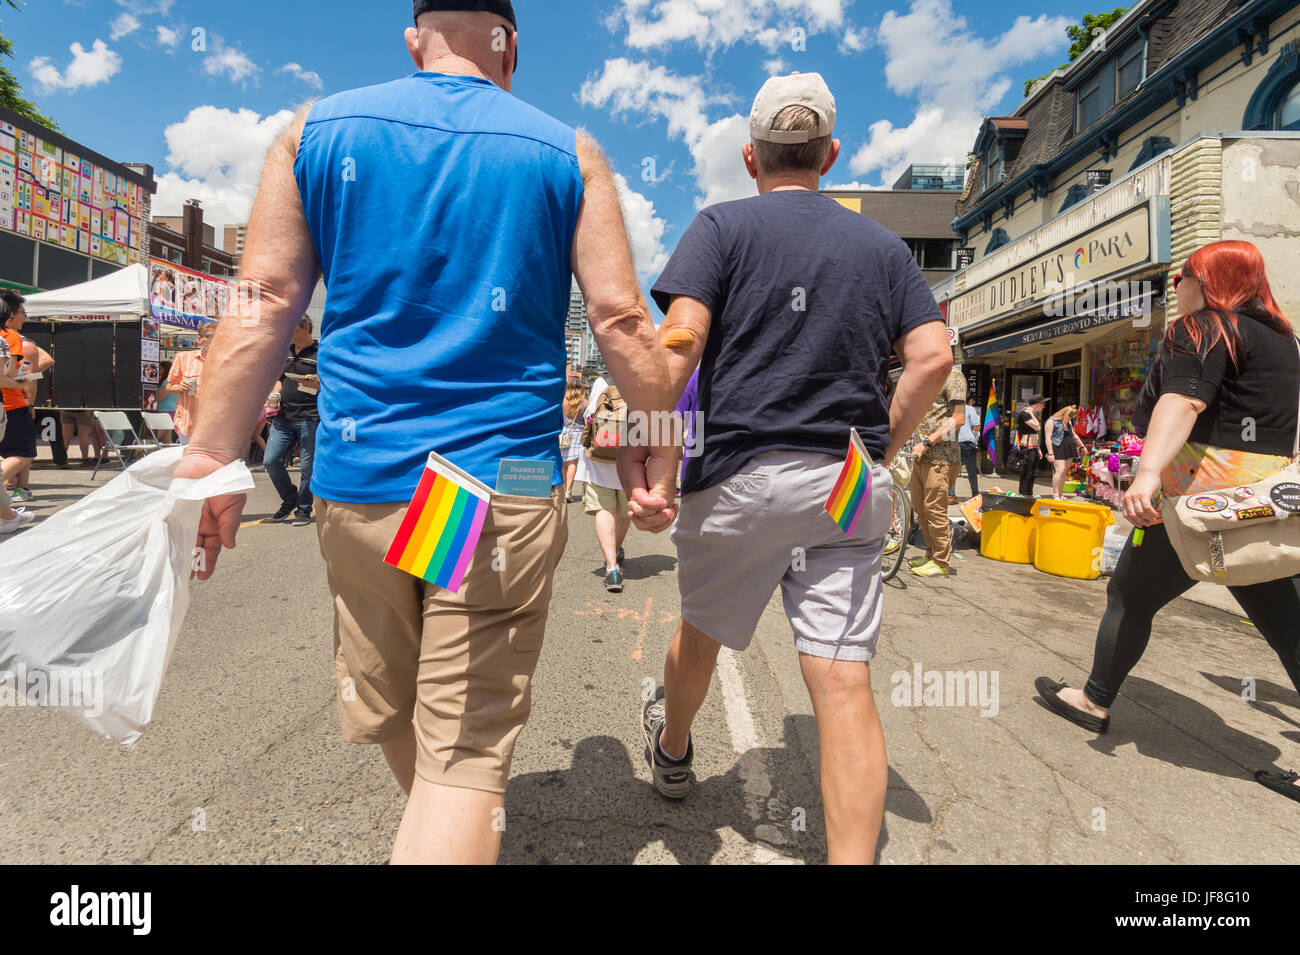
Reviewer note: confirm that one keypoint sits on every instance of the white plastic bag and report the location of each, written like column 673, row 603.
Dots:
column 92, row 599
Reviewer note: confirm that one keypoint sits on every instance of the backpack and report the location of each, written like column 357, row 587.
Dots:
column 606, row 430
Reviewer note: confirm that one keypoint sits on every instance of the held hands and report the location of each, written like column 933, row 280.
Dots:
column 221, row 515
column 650, row 477
column 1138, row 504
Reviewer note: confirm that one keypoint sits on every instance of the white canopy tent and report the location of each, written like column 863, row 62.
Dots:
column 122, row 295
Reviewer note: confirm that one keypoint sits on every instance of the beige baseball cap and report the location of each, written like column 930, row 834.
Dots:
column 797, row 89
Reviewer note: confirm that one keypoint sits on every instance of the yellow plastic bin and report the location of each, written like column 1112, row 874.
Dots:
column 1070, row 538
column 1007, row 531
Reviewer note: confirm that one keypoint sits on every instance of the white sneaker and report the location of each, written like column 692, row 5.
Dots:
column 24, row 518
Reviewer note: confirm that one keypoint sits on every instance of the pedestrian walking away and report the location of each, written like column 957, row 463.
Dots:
column 783, row 379
column 575, row 405
column 430, row 356
column 603, row 495
column 1231, row 355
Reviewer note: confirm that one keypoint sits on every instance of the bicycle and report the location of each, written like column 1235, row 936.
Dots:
column 900, row 529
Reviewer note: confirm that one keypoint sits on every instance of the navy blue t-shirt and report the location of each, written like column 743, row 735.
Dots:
column 807, row 300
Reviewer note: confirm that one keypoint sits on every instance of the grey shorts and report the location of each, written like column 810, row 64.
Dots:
column 766, row 526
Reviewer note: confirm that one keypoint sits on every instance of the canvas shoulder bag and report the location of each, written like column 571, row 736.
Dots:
column 1240, row 535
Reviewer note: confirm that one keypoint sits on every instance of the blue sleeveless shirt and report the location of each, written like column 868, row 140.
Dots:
column 442, row 210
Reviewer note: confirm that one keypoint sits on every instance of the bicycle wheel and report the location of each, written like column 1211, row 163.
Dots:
column 900, row 526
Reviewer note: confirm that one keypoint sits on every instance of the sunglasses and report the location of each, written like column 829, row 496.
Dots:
column 1180, row 276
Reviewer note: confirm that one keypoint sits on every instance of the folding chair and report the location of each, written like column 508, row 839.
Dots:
column 155, row 421
column 111, row 421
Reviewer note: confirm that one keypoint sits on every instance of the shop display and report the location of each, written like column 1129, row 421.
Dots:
column 57, row 197
column 1119, row 370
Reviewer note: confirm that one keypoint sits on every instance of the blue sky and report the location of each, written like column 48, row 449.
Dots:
column 665, row 85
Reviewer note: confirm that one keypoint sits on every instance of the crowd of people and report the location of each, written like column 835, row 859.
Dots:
column 414, row 362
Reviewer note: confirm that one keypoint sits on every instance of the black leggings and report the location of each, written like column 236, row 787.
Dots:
column 1149, row 577
column 1028, row 471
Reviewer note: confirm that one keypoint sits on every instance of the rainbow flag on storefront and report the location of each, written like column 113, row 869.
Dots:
column 852, row 493
column 992, row 419
column 442, row 525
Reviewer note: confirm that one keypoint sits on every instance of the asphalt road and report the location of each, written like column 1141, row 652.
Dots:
column 243, row 762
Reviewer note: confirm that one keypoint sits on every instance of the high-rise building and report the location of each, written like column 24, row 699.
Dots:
column 582, row 350
column 234, row 241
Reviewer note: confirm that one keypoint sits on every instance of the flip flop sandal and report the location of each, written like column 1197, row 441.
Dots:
column 1284, row 783
column 1049, row 689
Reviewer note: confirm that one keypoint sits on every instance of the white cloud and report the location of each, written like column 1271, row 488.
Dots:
column 645, row 230
column 776, row 67
column 718, row 24
column 216, row 156
column 231, row 63
column 88, row 68
column 956, row 76
column 719, row 169
column 651, row 93
column 168, row 37
column 124, row 25
column 310, row 77
column 854, row 41
column 160, row 7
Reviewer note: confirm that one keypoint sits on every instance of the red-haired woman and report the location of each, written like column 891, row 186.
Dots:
column 1220, row 407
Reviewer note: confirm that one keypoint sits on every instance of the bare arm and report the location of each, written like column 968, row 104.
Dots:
column 682, row 336
column 1171, row 424
column 927, row 363
column 620, row 321
column 276, row 282
column 41, row 361
column 247, row 355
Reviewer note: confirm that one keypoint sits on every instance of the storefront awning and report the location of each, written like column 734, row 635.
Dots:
column 1135, row 307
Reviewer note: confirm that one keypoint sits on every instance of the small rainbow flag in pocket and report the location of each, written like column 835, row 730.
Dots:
column 852, row 491
column 442, row 525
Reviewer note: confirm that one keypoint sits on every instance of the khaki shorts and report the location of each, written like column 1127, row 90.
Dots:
column 596, row 498
column 459, row 667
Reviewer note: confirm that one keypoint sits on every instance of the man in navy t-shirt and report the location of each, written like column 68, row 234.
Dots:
column 793, row 306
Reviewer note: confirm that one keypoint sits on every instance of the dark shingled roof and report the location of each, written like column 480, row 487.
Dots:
column 1050, row 114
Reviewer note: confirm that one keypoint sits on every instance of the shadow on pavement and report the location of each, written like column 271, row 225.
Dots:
column 1181, row 732
column 643, row 568
column 1266, row 693
column 603, row 809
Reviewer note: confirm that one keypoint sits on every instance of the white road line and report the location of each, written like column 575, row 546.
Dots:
column 739, row 719
column 752, row 766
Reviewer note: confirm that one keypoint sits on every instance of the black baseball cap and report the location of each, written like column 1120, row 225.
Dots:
column 502, row 8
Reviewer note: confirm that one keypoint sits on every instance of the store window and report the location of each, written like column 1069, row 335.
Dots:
column 1288, row 114
column 1119, row 370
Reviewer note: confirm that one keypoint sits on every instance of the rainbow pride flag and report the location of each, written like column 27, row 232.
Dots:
column 852, row 491
column 442, row 525
column 992, row 418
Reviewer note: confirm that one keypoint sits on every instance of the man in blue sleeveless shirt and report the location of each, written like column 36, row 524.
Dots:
column 447, row 217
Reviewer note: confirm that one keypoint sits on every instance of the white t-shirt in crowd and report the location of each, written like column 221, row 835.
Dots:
column 599, row 473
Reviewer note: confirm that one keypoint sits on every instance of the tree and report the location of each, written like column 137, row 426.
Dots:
column 11, row 91
column 1082, row 35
